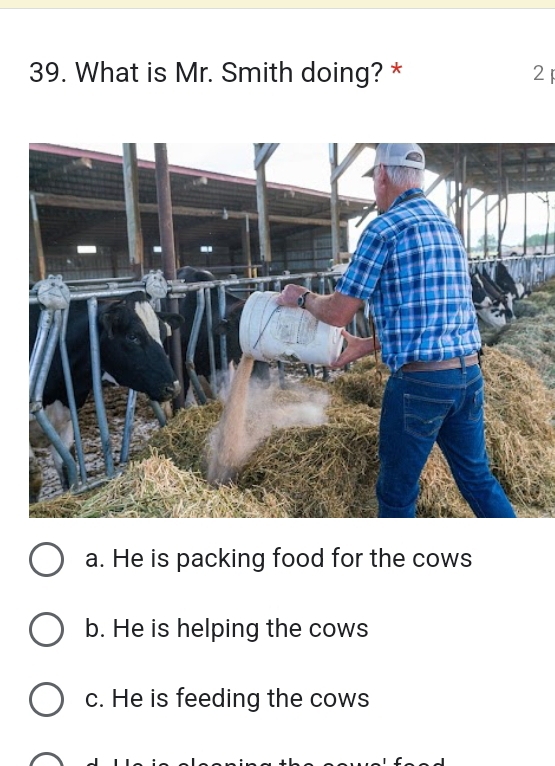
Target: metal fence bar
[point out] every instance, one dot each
(128, 427)
(192, 345)
(210, 336)
(78, 443)
(97, 389)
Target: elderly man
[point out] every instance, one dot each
(411, 265)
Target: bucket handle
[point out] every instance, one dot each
(277, 308)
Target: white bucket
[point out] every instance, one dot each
(271, 332)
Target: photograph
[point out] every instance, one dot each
(297, 331)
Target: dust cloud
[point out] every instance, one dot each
(251, 412)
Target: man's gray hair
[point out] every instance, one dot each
(407, 178)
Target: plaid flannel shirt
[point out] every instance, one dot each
(412, 266)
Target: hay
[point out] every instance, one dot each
(439, 496)
(519, 434)
(324, 471)
(517, 394)
(185, 437)
(362, 385)
(329, 470)
(156, 488)
(532, 340)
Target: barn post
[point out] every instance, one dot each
(335, 230)
(35, 241)
(468, 223)
(459, 168)
(131, 188)
(486, 205)
(262, 154)
(246, 244)
(336, 173)
(525, 173)
(464, 199)
(473, 205)
(499, 194)
(165, 221)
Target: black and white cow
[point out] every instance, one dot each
(506, 283)
(496, 293)
(228, 326)
(490, 303)
(131, 335)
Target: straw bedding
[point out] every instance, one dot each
(156, 488)
(330, 469)
(532, 338)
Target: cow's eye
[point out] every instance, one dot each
(132, 338)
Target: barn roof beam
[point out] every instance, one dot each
(347, 161)
(439, 179)
(90, 203)
(263, 154)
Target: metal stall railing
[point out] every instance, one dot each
(54, 298)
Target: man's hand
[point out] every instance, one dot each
(356, 349)
(290, 295)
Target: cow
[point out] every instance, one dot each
(497, 294)
(190, 274)
(507, 283)
(227, 325)
(131, 336)
(489, 303)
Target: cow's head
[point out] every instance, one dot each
(492, 312)
(494, 315)
(131, 351)
(229, 326)
(191, 274)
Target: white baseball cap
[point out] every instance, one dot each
(398, 155)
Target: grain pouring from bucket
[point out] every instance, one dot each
(268, 332)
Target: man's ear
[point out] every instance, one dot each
(380, 176)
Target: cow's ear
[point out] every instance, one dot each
(110, 319)
(221, 327)
(173, 320)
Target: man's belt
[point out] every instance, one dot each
(445, 364)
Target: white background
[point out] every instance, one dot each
(459, 664)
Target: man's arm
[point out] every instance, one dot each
(335, 309)
(356, 348)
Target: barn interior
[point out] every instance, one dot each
(98, 216)
(82, 198)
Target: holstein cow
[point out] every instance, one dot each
(228, 326)
(190, 274)
(497, 294)
(131, 335)
(491, 305)
(505, 281)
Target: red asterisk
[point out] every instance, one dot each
(396, 67)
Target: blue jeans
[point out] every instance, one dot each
(447, 407)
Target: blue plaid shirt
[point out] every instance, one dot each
(412, 266)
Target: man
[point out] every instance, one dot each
(411, 264)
